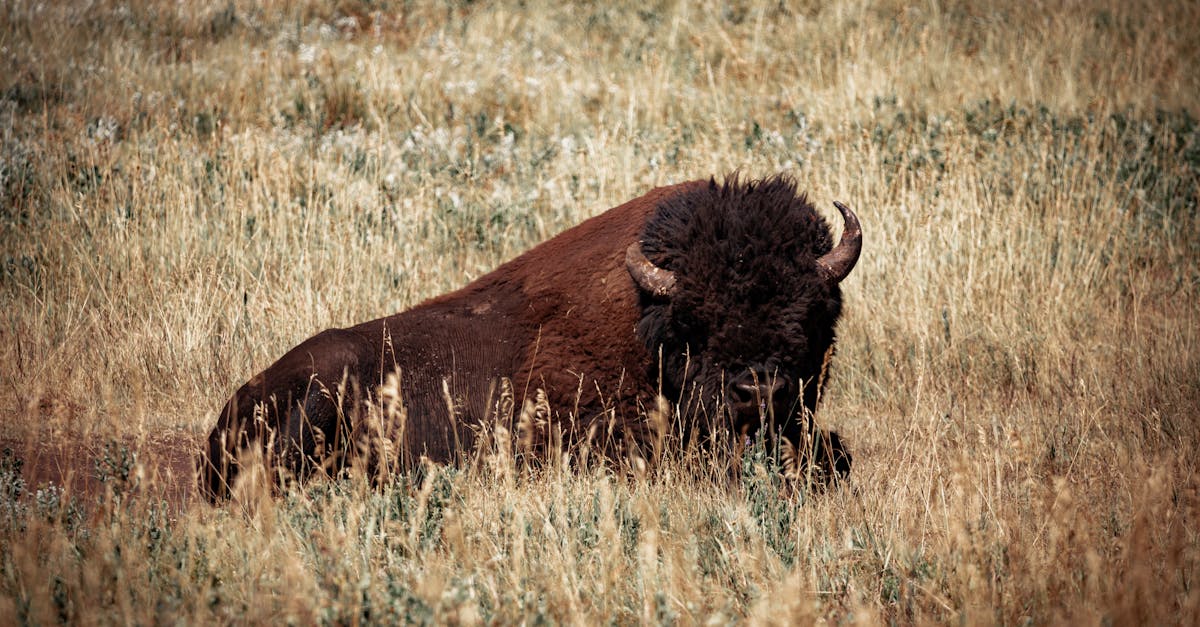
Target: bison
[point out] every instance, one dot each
(724, 293)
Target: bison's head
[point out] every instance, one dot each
(740, 298)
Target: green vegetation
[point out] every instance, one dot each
(186, 191)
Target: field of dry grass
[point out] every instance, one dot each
(186, 191)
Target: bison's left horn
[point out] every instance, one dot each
(837, 263)
(648, 276)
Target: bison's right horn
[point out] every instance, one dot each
(837, 263)
(648, 276)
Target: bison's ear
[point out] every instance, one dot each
(836, 264)
(648, 276)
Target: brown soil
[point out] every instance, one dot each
(166, 462)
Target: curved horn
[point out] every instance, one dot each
(648, 276)
(837, 263)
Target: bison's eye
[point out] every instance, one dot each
(689, 325)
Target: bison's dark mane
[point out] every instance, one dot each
(749, 291)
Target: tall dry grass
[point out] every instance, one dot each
(188, 190)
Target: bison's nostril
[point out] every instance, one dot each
(756, 390)
(745, 392)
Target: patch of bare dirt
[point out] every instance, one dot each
(163, 464)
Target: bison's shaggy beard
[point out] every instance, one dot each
(750, 300)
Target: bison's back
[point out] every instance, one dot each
(449, 357)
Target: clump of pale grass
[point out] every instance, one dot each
(187, 191)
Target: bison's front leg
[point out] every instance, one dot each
(830, 460)
(821, 458)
